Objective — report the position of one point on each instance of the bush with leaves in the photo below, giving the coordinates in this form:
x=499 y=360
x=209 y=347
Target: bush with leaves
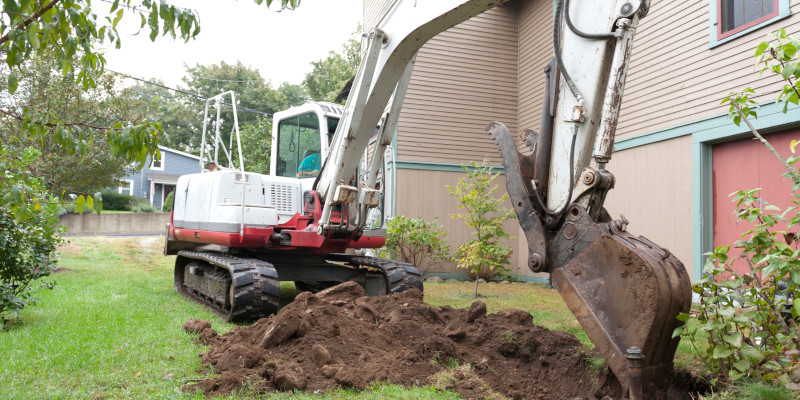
x=416 y=241
x=167 y=206
x=484 y=256
x=29 y=233
x=746 y=318
x=115 y=201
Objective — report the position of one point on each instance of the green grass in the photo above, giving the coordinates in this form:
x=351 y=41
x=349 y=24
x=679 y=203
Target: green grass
x=112 y=329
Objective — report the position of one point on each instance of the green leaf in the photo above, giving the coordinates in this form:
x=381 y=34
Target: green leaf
x=761 y=48
x=89 y=203
x=722 y=351
x=751 y=352
x=12 y=82
x=795 y=274
x=80 y=205
x=33 y=35
x=734 y=339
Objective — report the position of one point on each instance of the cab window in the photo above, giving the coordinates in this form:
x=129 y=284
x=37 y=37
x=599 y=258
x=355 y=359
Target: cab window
x=299 y=147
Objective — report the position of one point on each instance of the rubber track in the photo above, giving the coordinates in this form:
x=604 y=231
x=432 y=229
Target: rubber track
x=399 y=276
x=256 y=286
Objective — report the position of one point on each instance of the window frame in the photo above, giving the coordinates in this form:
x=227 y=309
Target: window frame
x=299 y=133
x=161 y=161
x=129 y=189
x=716 y=37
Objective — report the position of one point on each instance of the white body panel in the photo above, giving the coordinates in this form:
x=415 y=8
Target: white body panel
x=213 y=201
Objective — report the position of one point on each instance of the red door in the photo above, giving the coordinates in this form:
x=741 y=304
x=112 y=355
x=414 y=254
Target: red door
x=743 y=165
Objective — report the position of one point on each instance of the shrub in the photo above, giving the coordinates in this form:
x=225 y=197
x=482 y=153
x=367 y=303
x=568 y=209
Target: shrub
x=416 y=241
x=139 y=205
x=167 y=206
x=29 y=232
x=112 y=200
x=484 y=255
x=747 y=319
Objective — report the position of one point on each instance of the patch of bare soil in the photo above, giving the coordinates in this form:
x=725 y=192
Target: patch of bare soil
x=341 y=338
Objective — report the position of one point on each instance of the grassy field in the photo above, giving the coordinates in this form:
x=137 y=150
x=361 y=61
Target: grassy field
x=112 y=328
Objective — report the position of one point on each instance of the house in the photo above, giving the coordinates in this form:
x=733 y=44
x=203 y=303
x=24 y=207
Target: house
x=677 y=155
x=158 y=178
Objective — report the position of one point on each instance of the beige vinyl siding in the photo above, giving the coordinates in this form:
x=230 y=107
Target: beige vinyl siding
x=422 y=193
x=653 y=191
x=464 y=78
x=535 y=51
x=674 y=78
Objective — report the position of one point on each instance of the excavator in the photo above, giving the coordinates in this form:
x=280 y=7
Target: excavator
x=237 y=234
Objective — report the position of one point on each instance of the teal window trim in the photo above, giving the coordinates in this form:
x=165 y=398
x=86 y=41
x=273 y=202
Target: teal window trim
x=440 y=166
x=784 y=11
x=702 y=206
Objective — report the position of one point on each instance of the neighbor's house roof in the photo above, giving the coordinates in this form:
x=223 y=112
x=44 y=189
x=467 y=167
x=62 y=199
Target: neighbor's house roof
x=165 y=148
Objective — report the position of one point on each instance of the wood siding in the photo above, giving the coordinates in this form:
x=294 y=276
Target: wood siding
x=674 y=78
x=421 y=193
x=464 y=78
x=654 y=192
x=535 y=51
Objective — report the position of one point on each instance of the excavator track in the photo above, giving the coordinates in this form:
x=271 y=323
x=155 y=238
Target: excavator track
x=235 y=288
x=398 y=276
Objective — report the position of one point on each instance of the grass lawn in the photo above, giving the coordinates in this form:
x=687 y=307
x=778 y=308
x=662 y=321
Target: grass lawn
x=112 y=328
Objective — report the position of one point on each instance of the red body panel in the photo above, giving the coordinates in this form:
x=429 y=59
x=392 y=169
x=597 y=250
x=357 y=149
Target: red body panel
x=301 y=229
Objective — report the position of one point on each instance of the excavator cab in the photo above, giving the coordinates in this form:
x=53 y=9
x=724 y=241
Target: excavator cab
x=301 y=141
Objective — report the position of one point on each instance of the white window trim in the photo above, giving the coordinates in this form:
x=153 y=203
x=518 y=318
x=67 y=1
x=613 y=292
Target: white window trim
x=784 y=11
x=162 y=160
x=130 y=187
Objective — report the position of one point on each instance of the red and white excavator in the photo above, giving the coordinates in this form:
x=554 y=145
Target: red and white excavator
x=236 y=234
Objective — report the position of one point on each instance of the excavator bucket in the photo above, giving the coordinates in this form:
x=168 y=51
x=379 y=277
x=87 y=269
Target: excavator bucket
x=626 y=293
x=625 y=290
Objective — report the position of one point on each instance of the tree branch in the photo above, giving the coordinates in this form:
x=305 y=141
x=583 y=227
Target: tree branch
x=764 y=141
x=28 y=20
x=51 y=125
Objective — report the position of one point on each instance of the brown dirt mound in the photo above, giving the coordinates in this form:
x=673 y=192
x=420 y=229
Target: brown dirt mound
x=341 y=338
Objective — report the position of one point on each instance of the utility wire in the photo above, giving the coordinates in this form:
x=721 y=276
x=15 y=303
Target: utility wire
x=204 y=98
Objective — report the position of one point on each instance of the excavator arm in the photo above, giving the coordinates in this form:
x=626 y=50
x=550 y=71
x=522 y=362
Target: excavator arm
x=625 y=290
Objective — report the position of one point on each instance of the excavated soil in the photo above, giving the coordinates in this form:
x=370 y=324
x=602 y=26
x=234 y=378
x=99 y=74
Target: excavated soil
x=341 y=338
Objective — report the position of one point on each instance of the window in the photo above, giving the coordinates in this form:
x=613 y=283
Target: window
x=158 y=165
x=298 y=146
x=126 y=188
x=733 y=18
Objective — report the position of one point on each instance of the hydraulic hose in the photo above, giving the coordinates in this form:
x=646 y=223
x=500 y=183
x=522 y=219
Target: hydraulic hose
x=604 y=36
x=557 y=51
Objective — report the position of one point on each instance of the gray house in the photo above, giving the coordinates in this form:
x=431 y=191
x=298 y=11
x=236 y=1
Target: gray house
x=157 y=179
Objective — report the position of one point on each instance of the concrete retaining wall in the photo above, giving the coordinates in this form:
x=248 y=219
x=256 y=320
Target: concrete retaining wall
x=115 y=224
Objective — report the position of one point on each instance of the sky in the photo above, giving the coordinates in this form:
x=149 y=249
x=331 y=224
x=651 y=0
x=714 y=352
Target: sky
x=280 y=44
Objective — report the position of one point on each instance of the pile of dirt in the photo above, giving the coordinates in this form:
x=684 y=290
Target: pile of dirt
x=341 y=338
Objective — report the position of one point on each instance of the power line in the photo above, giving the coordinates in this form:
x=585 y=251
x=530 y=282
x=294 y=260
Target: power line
x=204 y=98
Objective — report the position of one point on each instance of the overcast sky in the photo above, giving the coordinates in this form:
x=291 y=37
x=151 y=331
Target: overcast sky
x=279 y=44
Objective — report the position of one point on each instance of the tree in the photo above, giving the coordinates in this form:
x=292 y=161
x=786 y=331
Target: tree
x=69 y=32
x=50 y=95
x=331 y=74
x=293 y=95
x=254 y=96
x=257 y=144
x=483 y=213
x=179 y=122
